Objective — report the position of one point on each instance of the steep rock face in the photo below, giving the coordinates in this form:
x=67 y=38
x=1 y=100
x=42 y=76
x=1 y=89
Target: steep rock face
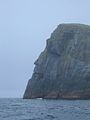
x=62 y=70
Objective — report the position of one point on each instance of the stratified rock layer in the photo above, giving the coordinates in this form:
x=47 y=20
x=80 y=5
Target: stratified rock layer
x=62 y=70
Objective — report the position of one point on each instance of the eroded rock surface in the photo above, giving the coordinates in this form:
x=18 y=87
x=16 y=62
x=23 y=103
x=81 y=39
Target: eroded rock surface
x=62 y=70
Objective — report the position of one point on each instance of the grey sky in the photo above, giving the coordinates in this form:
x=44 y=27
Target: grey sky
x=24 y=27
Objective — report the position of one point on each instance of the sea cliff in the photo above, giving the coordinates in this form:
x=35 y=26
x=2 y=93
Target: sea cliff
x=62 y=70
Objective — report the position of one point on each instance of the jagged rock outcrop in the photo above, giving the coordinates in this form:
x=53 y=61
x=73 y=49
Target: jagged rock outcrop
x=62 y=70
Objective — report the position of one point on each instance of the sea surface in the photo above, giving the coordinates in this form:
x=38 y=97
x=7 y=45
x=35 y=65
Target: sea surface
x=37 y=109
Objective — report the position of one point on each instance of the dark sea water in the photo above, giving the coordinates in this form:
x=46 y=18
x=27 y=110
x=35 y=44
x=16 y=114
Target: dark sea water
x=19 y=109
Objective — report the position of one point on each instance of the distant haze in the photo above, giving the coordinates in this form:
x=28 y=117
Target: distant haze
x=24 y=27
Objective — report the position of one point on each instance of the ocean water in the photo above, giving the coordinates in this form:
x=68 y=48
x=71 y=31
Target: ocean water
x=37 y=109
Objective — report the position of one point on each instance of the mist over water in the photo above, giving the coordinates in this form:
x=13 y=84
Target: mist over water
x=35 y=109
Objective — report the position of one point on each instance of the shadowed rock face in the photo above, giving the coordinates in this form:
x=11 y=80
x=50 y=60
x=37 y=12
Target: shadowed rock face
x=62 y=70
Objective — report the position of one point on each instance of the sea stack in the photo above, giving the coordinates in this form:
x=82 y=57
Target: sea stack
x=62 y=70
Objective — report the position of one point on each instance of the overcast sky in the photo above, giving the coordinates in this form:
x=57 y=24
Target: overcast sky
x=24 y=27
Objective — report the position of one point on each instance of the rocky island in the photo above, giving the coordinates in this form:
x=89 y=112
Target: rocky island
x=62 y=70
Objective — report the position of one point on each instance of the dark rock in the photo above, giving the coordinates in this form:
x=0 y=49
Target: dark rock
x=62 y=71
